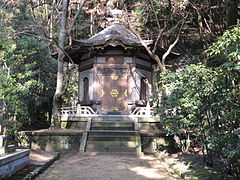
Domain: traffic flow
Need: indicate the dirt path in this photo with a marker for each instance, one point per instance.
(106, 167)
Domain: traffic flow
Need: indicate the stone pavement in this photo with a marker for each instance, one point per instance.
(106, 167)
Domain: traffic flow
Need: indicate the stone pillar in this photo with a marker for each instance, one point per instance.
(79, 79)
(148, 107)
(1, 115)
(78, 109)
(2, 151)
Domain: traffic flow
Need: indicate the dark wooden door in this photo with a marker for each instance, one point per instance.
(114, 93)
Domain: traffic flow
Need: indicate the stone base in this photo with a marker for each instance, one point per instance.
(13, 162)
(51, 140)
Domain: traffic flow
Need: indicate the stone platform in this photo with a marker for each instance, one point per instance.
(106, 134)
(13, 162)
(51, 140)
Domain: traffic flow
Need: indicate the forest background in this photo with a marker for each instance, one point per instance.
(197, 96)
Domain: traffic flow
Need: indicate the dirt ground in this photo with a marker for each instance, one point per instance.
(106, 167)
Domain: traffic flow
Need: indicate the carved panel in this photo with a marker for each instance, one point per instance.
(115, 60)
(128, 60)
(111, 71)
(101, 60)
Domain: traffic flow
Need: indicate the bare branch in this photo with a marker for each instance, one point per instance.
(75, 17)
(174, 43)
(41, 4)
(155, 14)
(151, 54)
(159, 36)
(160, 33)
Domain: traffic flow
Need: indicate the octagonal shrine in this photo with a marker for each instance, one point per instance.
(115, 73)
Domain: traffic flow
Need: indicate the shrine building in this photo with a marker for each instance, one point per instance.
(115, 73)
(113, 113)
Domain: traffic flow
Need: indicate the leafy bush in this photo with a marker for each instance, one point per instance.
(205, 101)
(27, 82)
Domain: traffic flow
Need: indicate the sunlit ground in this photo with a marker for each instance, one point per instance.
(147, 172)
(155, 170)
(106, 167)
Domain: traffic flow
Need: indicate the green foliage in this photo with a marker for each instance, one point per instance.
(226, 51)
(182, 108)
(206, 100)
(27, 81)
(140, 16)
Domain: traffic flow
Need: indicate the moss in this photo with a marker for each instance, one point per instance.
(204, 174)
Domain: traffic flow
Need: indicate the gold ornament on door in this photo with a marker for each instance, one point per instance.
(126, 93)
(102, 93)
(114, 93)
(114, 77)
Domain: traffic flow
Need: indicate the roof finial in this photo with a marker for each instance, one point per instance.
(110, 4)
(114, 13)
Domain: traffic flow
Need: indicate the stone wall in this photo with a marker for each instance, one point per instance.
(55, 143)
(73, 122)
(50, 142)
(153, 143)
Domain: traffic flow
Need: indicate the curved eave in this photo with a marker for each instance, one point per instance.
(78, 50)
(110, 41)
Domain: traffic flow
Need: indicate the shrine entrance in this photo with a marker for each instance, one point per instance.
(114, 94)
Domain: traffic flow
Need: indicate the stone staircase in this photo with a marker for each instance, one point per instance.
(113, 135)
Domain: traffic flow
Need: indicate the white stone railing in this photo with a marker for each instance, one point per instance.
(142, 111)
(69, 111)
(78, 111)
(85, 111)
(88, 111)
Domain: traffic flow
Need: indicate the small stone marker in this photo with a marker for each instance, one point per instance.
(1, 141)
(2, 151)
(1, 115)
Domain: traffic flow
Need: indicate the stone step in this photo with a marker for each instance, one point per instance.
(111, 146)
(111, 138)
(130, 153)
(111, 149)
(122, 128)
(111, 133)
(112, 124)
(113, 143)
(112, 118)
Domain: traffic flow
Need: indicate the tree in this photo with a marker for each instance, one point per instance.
(27, 69)
(62, 66)
(26, 82)
(35, 19)
(231, 12)
(204, 102)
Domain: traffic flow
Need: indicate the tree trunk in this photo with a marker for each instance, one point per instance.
(231, 12)
(57, 99)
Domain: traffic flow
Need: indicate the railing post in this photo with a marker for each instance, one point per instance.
(148, 109)
(78, 110)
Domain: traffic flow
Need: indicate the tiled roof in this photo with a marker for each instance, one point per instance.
(114, 32)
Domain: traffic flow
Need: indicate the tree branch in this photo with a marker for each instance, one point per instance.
(160, 33)
(75, 17)
(174, 43)
(41, 4)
